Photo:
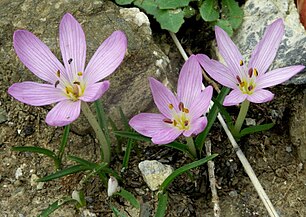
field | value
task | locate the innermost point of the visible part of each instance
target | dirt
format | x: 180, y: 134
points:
x: 272, y: 155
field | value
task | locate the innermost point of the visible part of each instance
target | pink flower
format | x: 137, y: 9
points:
x: 181, y: 114
x: 248, y: 82
x: 72, y: 83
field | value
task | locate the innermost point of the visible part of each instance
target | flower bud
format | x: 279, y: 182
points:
x: 112, y: 186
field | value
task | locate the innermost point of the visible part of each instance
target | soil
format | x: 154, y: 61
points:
x: 272, y: 155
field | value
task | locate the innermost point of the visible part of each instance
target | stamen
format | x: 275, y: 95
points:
x: 241, y: 63
x: 70, y: 60
x: 170, y: 106
x: 255, y: 72
x: 242, y: 84
x: 250, y: 87
x: 80, y: 73
x: 168, y: 121
x: 58, y: 73
x: 174, y: 123
x: 250, y: 72
x: 238, y: 79
x: 181, y: 106
x: 77, y: 82
x: 186, y: 123
x: 67, y: 90
x: 186, y: 110
x: 75, y: 90
x: 56, y: 83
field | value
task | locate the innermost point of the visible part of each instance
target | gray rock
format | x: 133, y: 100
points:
x: 3, y: 115
x: 257, y: 15
x: 154, y: 173
x: 129, y: 84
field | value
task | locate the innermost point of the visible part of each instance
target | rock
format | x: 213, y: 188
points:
x: 250, y: 122
x: 3, y: 115
x: 257, y: 15
x: 129, y: 84
x: 18, y: 173
x: 154, y: 173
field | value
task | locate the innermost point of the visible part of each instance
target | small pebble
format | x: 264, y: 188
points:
x: 250, y: 122
x: 233, y: 193
x: 18, y: 173
x: 289, y: 149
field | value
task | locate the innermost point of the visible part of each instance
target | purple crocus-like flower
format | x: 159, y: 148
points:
x: 181, y: 114
x: 248, y: 82
x: 72, y: 83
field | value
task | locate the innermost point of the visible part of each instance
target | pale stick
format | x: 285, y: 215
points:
x: 245, y: 163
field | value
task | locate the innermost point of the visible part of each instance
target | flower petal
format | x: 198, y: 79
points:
x: 148, y: 124
x: 265, y: 51
x: 218, y: 71
x: 36, y: 56
x: 107, y: 58
x: 73, y: 45
x: 166, y: 136
x: 277, y: 76
x: 64, y: 113
x: 163, y: 97
x: 94, y: 91
x: 197, y: 126
x: 234, y: 98
x: 36, y: 94
x: 190, y: 81
x: 201, y: 103
x: 228, y: 50
x: 260, y: 96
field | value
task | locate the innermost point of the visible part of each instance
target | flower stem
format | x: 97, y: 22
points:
x: 191, y: 147
x: 241, y: 116
x: 104, y: 147
x: 63, y: 144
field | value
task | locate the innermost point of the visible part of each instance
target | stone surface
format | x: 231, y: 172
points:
x: 257, y: 15
x: 154, y: 173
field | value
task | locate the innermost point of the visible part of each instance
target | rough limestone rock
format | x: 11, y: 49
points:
x: 154, y: 173
x: 129, y: 84
x: 257, y: 15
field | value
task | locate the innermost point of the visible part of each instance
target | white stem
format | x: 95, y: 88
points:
x: 212, y: 180
x: 245, y: 163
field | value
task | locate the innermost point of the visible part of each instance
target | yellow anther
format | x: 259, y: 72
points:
x: 255, y: 72
x: 174, y: 123
x: 77, y: 82
x: 67, y: 90
x: 170, y: 106
x: 241, y: 63
x: 186, y: 123
x: 80, y: 73
x: 186, y: 110
x: 242, y: 84
x: 58, y: 73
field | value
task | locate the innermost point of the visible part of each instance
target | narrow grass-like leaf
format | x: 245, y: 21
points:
x: 225, y: 114
x: 129, y: 197
x: 83, y: 162
x: 117, y: 213
x: 199, y: 142
x: 37, y: 150
x: 102, y: 119
x: 132, y: 135
x: 54, y: 206
x: 127, y: 153
x: 63, y: 143
x: 162, y: 204
x: 63, y: 172
x: 184, y: 169
x: 124, y: 120
x: 209, y: 10
x: 254, y: 129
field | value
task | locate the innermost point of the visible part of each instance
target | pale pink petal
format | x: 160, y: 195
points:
x: 265, y: 51
x: 36, y: 56
x: 218, y: 71
x: 95, y: 91
x: 201, y: 103
x: 148, y: 124
x: 234, y: 98
x: 166, y: 136
x: 189, y: 82
x: 36, y: 94
x: 228, y: 50
x: 260, y: 96
x: 163, y: 97
x: 277, y: 76
x: 73, y: 45
x: 64, y: 113
x: 197, y: 126
x: 107, y: 58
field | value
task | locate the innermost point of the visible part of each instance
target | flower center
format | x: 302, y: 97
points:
x: 247, y: 85
x: 181, y: 119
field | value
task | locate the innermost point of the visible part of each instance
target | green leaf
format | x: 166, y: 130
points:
x: 124, y: 120
x: 102, y: 120
x: 123, y: 2
x: 184, y: 169
x: 172, y: 4
x: 170, y: 20
x: 127, y: 153
x: 63, y: 143
x: 189, y: 12
x: 129, y: 197
x: 226, y: 26
x: 117, y: 212
x: 38, y: 150
x: 150, y: 6
x: 64, y: 172
x: 162, y: 204
x: 199, y: 142
x: 232, y: 12
x: 254, y: 129
x: 54, y: 206
x: 209, y: 10
x: 83, y: 162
